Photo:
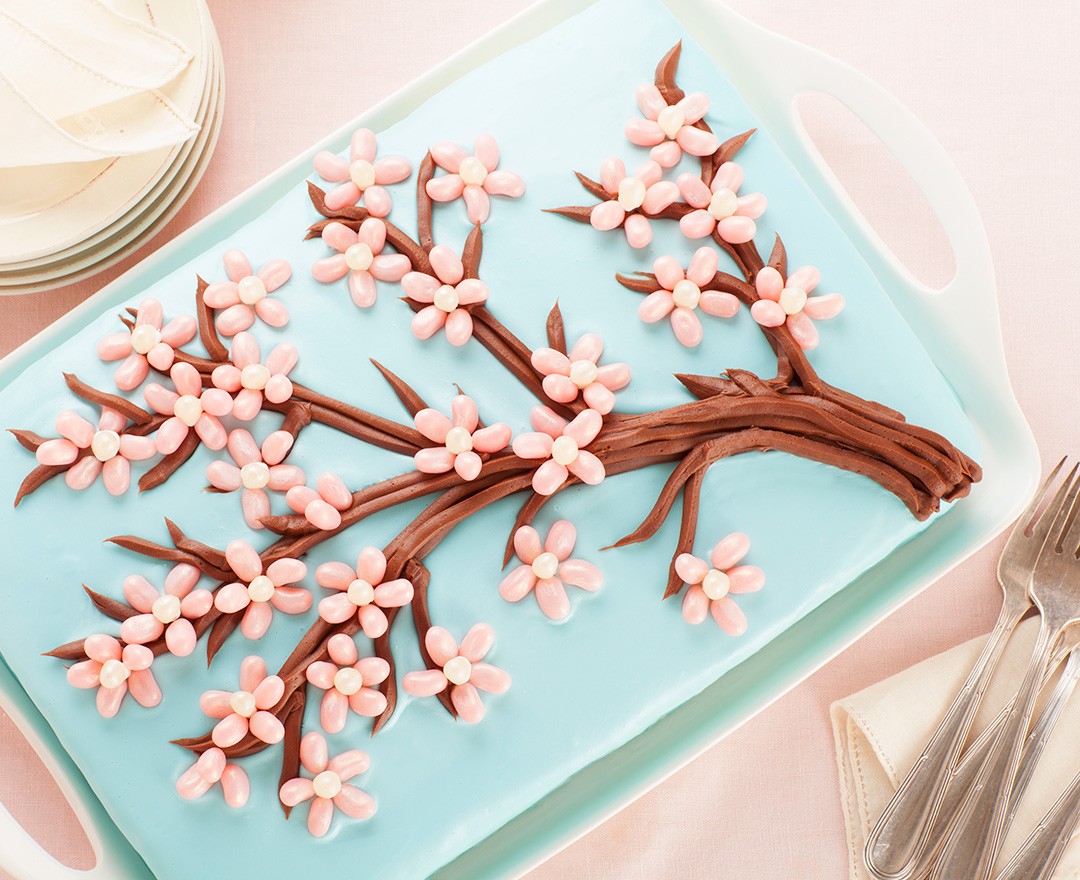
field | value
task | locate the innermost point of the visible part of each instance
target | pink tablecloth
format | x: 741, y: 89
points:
x: 997, y: 83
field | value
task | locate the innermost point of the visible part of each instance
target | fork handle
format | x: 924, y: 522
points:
x: 897, y: 845
x: 1041, y: 852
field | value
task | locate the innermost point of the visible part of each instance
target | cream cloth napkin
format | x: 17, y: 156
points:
x: 882, y: 730
x: 79, y: 82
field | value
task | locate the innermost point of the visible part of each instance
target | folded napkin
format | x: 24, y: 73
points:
x: 882, y: 730
x: 80, y: 82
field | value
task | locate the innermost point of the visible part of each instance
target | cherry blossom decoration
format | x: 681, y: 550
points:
x: 787, y: 303
x: 473, y: 178
x: 114, y: 670
x: 110, y: 450
x: 362, y: 177
x: 255, y: 471
x: 681, y: 295
x: 246, y: 710
x: 632, y: 198
x: 169, y: 611
x: 461, y: 440
x: 460, y: 669
x: 190, y: 406
x: 562, y: 444
x: 710, y: 586
x: 566, y: 376
x: 261, y: 593
x: 146, y: 345
x: 347, y: 681
x: 244, y: 296
x: 363, y: 592
x: 446, y: 296
x: 207, y: 771
x: 251, y: 380
x: 719, y: 207
x: 669, y: 128
x: 360, y: 256
x: 330, y: 788
x: 548, y: 568
x: 321, y: 506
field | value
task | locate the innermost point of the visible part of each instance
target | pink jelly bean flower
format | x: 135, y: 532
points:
x: 114, y: 670
x: 787, y: 303
x: 360, y: 256
x: 681, y: 295
x: 261, y: 593
x: 473, y: 178
x: 323, y: 505
x: 146, y: 345
x: 632, y: 198
x: 563, y: 444
x: 669, y: 128
x: 548, y: 568
x: 719, y: 207
x: 460, y: 669
x: 449, y: 293
x: 462, y: 442
x: 244, y: 297
x: 566, y: 376
x: 246, y: 710
x: 251, y: 380
x: 255, y: 471
x: 330, y: 787
x: 710, y: 586
x: 362, y: 177
x: 207, y: 771
x: 347, y: 681
x: 169, y: 611
x: 363, y: 594
x: 106, y: 450
x: 190, y: 406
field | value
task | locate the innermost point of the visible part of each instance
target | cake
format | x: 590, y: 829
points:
x: 458, y: 547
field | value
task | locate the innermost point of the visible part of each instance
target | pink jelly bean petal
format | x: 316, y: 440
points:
x: 348, y: 765
x: 448, y: 155
x: 545, y: 419
x: 768, y: 313
x: 612, y: 173
x: 527, y: 544
x: 221, y: 294
x: 216, y: 704
x: 687, y: 326
x: 217, y: 402
x: 694, y: 190
x: 697, y: 224
x: 650, y: 100
x: 690, y: 568
x: 390, y: 267
x: 822, y: 307
x: 769, y: 284
x: 137, y: 657
x: 667, y: 154
x: 354, y: 802
x: 140, y: 629
x: 697, y: 142
x: 736, y: 229
x: 362, y: 289
x: 330, y: 269
x: 582, y: 574
x: 321, y: 674
x: 694, y: 106
x: 373, y: 621
x: 588, y: 348
x: 424, y: 684
x: 550, y: 362
x: 719, y: 304
x: 109, y: 700
x: 477, y: 203
x: 464, y: 413
x: 477, y: 642
x: 584, y: 427
x: 242, y: 447
x: 232, y: 598
x: 137, y: 448
x: 446, y: 188
x: 803, y: 331
x: 257, y: 620
x: 459, y: 327
x: 587, y: 468
x: 210, y: 765
x: 339, y: 236
x: 660, y: 196
x: 363, y: 145
x: 82, y: 474
x: 427, y: 322
x: 668, y: 272
x: 180, y: 638
x: 649, y: 173
x: 102, y: 648
x: 371, y: 565
x: 490, y: 678
x: 374, y: 670
x: 367, y: 702
x: 161, y: 356
x: 752, y: 205
x: 560, y: 539
x: 191, y: 785
x: 695, y: 607
x: 235, y: 319
x: 322, y: 515
x: 746, y: 579
x: 144, y: 688
x: 392, y: 169
x: 552, y: 599
x: 549, y: 477
x: 296, y: 791
x: 286, y: 571
x: 334, y: 491
x: 300, y: 497
x: 614, y: 376
x: 274, y: 449
x: 656, y: 306
x: 313, y: 753
x: 504, y: 183
x: 377, y: 200
x: 487, y: 151
x: 334, y: 711
x: 730, y: 617
x: 229, y: 731
x: 467, y: 703
x: 336, y: 609
x: 341, y: 196
x: 729, y: 551
x: 266, y: 727
x: 638, y: 231
x: 140, y: 593
x: 75, y: 428
x: 441, y: 646
x: 236, y: 264
x: 85, y: 674
x: 560, y: 388
x: 291, y: 600
x: 331, y: 167
x: 806, y: 278
x: 320, y: 815
x: 255, y: 504
x: 274, y: 274
x: 335, y: 575
x: 493, y: 438
x: 196, y: 604
x: 728, y: 176
x: 468, y: 465
x: 518, y: 584
x: 235, y: 786
x: 703, y: 266
x: 252, y: 673
x: 56, y: 452
x: 244, y: 560
x: 599, y: 398
x: 433, y: 424
x: 114, y: 346
x: 131, y: 373
x: 607, y: 215
x: 342, y: 649
x: 281, y: 361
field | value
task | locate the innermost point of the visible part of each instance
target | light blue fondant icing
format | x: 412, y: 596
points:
x: 581, y: 687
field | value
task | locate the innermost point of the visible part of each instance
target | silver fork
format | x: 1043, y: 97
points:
x: 975, y: 835
x: 897, y: 847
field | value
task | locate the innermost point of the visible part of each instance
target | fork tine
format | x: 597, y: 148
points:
x: 1071, y: 541
x: 1062, y: 506
x: 1067, y: 490
x: 1027, y: 517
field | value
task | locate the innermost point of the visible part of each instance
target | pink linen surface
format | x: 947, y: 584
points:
x: 996, y: 83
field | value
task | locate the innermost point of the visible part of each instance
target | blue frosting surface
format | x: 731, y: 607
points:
x: 581, y: 687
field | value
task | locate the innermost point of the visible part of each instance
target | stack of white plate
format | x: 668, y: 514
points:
x: 61, y: 223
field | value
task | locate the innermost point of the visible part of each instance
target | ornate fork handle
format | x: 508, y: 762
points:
x: 1041, y: 852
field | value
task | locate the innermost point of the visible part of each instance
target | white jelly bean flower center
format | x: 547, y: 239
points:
x: 546, y: 565
x: 359, y: 256
x: 686, y: 294
x: 631, y: 193
x: 670, y: 120
x: 144, y: 337
x: 362, y: 173
x: 261, y: 589
x: 348, y: 680
x: 360, y: 592
x: 472, y: 171
x: 723, y: 203
x: 255, y: 475
x: 457, y: 670
x: 446, y: 298
x: 458, y: 440
x: 254, y: 376
x: 243, y: 703
x: 564, y: 450
x: 716, y: 584
x: 252, y: 289
x: 105, y: 445
x: 166, y: 608
x: 792, y: 300
x: 583, y: 373
x: 188, y: 408
x: 113, y: 674
x: 327, y: 784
